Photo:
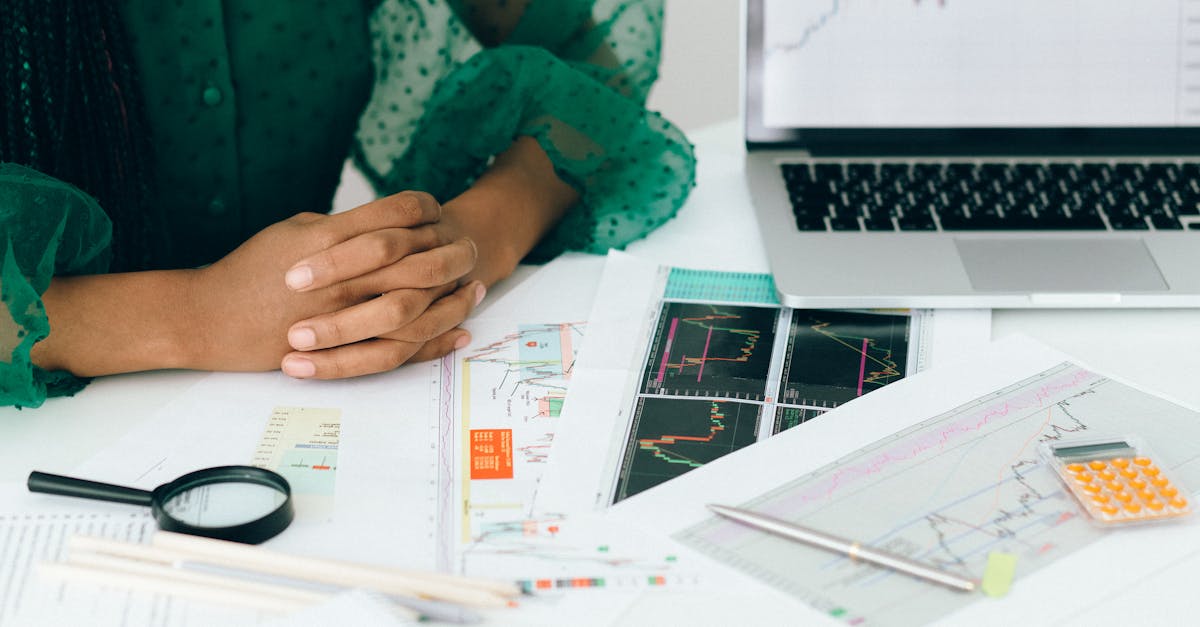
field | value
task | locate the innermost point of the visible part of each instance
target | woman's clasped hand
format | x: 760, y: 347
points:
x: 334, y: 296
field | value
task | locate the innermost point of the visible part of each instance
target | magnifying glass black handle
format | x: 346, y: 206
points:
x: 70, y: 486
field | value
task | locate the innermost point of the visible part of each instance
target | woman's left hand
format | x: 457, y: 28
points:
x: 418, y: 275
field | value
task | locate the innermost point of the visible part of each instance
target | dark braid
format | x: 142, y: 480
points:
x: 73, y: 109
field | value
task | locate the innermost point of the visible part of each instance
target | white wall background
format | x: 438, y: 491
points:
x: 698, y: 78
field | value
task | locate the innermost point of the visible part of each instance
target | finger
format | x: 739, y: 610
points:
x: 438, y: 266
x: 443, y: 315
x: 359, y: 255
x: 353, y: 360
x: 405, y: 210
x: 370, y: 357
x: 454, y: 339
x: 375, y: 317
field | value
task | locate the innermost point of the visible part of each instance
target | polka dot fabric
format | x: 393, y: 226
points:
x: 253, y: 108
x: 571, y: 74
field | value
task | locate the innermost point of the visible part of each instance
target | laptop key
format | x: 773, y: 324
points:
x: 810, y: 223
x: 1164, y: 222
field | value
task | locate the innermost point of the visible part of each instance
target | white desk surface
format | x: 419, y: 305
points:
x: 716, y: 230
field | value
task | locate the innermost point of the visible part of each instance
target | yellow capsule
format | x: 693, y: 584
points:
x: 1096, y: 464
x: 1084, y: 477
x: 1109, y: 509
x: 1124, y: 497
x: 1133, y: 508
x: 1115, y: 486
x: 1099, y: 499
x: 1154, y: 504
x: 1094, y: 488
x: 1142, y: 461
x: 1179, y: 502
x: 1076, y: 468
x: 1159, y: 482
x: 1151, y: 471
x: 1168, y: 491
x: 1146, y: 495
x: 1128, y: 473
x: 1119, y: 462
x: 1107, y: 475
x: 1137, y: 484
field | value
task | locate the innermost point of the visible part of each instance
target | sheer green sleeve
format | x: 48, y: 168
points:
x: 571, y: 74
x: 47, y: 228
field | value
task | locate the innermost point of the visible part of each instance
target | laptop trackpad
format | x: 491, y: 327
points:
x: 1059, y: 265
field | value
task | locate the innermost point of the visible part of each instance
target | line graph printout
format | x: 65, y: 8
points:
x: 948, y: 491
x: 836, y: 356
x: 701, y: 352
x: 672, y: 436
x: 703, y: 349
x: 504, y: 395
x: 691, y: 365
x: 511, y: 390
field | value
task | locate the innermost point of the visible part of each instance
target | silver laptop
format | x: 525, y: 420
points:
x: 979, y: 153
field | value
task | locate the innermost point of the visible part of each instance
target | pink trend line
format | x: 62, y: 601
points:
x: 704, y: 356
x: 946, y: 435
x: 662, y: 369
x: 862, y: 367
x: 792, y: 504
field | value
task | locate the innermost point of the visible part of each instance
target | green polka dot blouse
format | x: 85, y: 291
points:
x: 254, y: 107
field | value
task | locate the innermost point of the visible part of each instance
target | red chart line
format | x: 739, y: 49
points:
x: 862, y: 367
x: 662, y: 368
x: 704, y: 356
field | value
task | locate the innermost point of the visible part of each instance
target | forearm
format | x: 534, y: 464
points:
x: 510, y: 208
x: 114, y: 323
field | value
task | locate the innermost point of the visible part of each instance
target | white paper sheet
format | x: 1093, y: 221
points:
x: 1105, y: 582
x: 616, y: 385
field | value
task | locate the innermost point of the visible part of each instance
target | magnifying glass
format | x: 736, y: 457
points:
x: 238, y: 503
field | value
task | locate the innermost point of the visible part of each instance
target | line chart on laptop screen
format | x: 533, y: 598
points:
x: 955, y: 63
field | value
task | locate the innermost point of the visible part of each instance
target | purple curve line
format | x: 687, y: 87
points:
x: 862, y: 367
x: 790, y: 504
x: 704, y: 356
x: 662, y: 368
x: 937, y: 440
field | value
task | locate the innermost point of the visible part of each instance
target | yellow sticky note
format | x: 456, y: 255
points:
x: 998, y: 576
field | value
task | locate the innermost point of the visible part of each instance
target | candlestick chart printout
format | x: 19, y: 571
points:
x: 719, y: 375
x: 948, y: 491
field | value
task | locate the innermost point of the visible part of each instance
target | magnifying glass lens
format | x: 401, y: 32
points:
x: 238, y: 503
x: 223, y: 504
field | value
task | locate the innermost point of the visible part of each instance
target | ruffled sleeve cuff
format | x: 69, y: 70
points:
x: 47, y: 228
x: 632, y: 168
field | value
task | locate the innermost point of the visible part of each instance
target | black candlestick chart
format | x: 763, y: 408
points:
x: 671, y: 436
x: 835, y: 356
x: 711, y: 351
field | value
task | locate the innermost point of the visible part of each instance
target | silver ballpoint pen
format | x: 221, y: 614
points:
x: 849, y: 548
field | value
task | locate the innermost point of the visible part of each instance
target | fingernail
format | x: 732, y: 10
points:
x: 480, y: 292
x: 462, y: 342
x: 299, y: 277
x: 299, y: 367
x: 302, y: 337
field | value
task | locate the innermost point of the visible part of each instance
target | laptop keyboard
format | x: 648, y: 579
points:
x: 994, y: 196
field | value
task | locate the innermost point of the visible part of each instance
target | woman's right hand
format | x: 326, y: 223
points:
x: 402, y: 271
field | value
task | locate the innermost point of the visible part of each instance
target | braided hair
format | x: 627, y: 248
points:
x: 71, y: 107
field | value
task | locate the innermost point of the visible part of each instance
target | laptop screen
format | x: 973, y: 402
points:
x: 1124, y: 66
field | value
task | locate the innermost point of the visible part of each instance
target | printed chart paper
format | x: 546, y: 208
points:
x: 943, y: 468
x: 686, y: 366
